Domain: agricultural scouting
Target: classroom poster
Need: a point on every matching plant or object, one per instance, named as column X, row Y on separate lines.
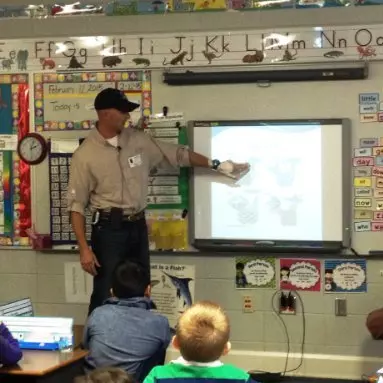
column 300, row 274
column 255, row 272
column 172, row 289
column 66, row 101
column 345, row 276
column 78, row 283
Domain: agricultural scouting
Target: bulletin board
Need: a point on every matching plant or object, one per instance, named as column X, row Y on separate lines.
column 15, row 185
column 64, row 101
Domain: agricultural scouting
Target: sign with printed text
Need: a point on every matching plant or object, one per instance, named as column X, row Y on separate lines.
column 368, row 98
column 363, row 172
column 363, row 152
column 369, row 142
column 65, row 101
column 362, row 226
column 377, row 171
column 362, row 214
column 363, row 161
column 377, row 226
column 300, row 274
column 363, row 192
column 362, row 181
column 255, row 272
column 368, row 108
column 369, row 117
column 345, row 276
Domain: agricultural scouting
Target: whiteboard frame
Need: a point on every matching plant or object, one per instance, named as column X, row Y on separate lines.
column 321, row 247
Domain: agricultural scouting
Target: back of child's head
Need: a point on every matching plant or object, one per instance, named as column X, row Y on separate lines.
column 106, row 375
column 129, row 280
column 203, row 332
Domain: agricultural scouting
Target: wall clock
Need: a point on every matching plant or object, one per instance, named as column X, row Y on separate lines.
column 32, row 149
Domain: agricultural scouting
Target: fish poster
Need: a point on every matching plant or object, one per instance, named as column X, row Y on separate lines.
column 172, row 289
column 254, row 272
column 345, row 276
column 300, row 274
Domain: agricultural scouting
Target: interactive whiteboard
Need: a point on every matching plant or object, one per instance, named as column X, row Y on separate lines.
column 296, row 196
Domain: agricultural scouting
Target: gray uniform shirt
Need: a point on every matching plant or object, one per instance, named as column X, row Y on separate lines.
column 103, row 176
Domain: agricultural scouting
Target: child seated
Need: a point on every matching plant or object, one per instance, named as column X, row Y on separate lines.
column 10, row 352
column 202, row 337
column 123, row 332
column 106, row 375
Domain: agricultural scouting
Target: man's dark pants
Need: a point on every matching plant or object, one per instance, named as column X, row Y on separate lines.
column 111, row 245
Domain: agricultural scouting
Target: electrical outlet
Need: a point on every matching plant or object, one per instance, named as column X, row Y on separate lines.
column 247, row 304
column 287, row 303
column 341, row 307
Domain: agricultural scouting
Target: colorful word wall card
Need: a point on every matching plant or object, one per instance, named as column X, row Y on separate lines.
column 300, row 274
column 370, row 107
column 14, row 187
column 172, row 289
column 60, row 155
column 255, row 272
column 66, row 101
column 345, row 276
column 368, row 185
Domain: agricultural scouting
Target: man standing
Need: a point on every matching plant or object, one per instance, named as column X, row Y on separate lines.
column 109, row 173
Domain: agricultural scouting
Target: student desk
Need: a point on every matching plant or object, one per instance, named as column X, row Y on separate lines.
column 45, row 367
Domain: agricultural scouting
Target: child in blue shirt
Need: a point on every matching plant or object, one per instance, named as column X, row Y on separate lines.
column 124, row 332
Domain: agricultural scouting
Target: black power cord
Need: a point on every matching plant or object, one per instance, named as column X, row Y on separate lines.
column 266, row 376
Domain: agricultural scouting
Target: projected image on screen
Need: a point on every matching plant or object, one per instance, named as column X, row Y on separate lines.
column 292, row 193
column 275, row 199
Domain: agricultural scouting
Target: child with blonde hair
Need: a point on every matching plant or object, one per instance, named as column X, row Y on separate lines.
column 202, row 337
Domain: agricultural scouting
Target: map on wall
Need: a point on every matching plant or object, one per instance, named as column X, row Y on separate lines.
column 65, row 101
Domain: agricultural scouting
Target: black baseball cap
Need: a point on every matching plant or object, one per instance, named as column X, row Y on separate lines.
column 111, row 98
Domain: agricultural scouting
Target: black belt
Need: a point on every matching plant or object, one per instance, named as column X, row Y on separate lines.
column 102, row 215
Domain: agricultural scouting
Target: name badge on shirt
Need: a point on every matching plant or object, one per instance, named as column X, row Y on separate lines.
column 135, row 161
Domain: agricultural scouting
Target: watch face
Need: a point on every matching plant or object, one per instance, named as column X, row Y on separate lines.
column 31, row 149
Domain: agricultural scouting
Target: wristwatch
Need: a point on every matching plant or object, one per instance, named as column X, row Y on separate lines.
column 215, row 164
